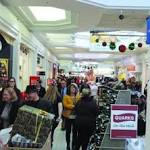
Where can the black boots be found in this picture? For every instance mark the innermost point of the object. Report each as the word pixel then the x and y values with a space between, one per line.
pixel 68 147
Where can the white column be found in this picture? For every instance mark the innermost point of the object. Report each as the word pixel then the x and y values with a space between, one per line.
pixel 33 61
pixel 16 52
pixel 45 69
pixel 147 137
pixel 143 75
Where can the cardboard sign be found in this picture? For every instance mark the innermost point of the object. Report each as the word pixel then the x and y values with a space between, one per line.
pixel 123 121
pixel 34 79
pixel 50 81
pixel 131 68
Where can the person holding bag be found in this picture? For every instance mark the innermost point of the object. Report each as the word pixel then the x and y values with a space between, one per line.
pixel 69 103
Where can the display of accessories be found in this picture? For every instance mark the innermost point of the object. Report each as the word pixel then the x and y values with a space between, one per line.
pixel 106 97
pixel 34 125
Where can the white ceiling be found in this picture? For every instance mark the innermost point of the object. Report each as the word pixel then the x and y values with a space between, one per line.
pixel 81 17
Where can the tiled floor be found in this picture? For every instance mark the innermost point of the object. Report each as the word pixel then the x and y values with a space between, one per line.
pixel 59 140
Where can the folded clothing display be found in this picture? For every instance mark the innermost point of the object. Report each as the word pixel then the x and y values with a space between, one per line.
pixel 33 124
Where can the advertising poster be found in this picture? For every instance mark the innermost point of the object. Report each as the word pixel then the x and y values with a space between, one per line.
pixel 3 72
pixel 3 67
pixel 123 121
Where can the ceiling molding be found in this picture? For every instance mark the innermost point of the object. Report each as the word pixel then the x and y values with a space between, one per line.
pixel 26 17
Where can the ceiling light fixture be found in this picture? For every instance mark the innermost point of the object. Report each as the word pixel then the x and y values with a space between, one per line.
pixel 91 56
pixel 47 13
pixel 61 48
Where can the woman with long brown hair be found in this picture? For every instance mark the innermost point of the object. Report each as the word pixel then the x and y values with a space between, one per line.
pixel 8 107
pixel 54 97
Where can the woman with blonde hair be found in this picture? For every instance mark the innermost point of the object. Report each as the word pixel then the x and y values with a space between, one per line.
pixel 54 97
pixel 9 106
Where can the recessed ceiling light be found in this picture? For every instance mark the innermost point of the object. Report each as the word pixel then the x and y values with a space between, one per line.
pixel 65 55
pixel 91 56
pixel 47 13
pixel 61 48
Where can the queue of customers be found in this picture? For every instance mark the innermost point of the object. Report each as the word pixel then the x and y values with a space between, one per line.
pixel 73 107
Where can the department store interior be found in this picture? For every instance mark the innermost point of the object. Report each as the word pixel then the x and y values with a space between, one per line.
pixel 102 45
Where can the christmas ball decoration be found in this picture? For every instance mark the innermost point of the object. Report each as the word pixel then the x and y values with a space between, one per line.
pixel 93 38
pixel 112 45
pixel 131 46
pixel 104 44
pixel 140 45
pixel 122 48
pixel 97 40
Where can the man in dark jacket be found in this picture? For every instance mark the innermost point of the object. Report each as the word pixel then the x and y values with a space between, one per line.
pixel 41 90
pixel 34 100
pixel 86 111
pixel 63 91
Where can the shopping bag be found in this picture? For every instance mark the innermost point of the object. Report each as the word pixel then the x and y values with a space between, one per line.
pixel 4 136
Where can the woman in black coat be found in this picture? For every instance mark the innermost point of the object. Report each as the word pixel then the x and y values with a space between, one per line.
pixel 8 108
pixel 86 112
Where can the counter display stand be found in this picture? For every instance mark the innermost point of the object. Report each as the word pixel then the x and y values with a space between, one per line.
pixel 100 140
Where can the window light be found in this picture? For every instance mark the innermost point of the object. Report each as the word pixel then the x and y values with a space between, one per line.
pixel 125 3
pixel 47 13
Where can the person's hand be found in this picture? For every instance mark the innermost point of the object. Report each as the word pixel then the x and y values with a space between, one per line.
pixel 11 126
pixel 58 119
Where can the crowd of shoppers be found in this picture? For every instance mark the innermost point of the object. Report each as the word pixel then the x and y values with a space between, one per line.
pixel 70 102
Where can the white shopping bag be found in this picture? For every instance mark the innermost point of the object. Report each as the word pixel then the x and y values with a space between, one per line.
pixel 135 144
pixel 4 136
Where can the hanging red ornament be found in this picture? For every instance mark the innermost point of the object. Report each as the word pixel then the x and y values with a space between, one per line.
pixel 122 48
pixel 140 45
pixel 104 44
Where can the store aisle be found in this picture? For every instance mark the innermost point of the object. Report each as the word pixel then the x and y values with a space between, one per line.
pixel 59 140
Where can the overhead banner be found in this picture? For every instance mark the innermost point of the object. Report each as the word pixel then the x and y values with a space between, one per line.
pixel 148 31
pixel 123 121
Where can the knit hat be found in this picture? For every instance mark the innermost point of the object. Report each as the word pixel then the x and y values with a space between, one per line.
pixel 86 92
pixel 75 85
